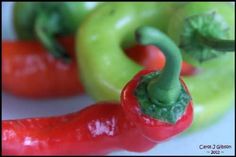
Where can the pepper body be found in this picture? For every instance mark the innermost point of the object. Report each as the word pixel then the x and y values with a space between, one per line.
pixel 97 130
pixel 153 129
pixel 29 71
pixel 214 98
pixel 105 69
pixel 212 19
pixel 158 102
pixel 105 127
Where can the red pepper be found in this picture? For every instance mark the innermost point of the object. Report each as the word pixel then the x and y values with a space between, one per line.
pixel 97 129
pixel 152 128
pixel 151 57
pixel 29 71
pixel 158 102
pixel 155 108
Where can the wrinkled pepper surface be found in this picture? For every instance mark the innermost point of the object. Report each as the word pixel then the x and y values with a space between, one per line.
pixel 105 69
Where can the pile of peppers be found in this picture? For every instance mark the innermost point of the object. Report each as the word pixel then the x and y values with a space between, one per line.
pixel 143 106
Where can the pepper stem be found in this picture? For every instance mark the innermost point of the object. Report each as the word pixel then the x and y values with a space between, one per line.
pixel 215 43
pixel 166 88
pixel 46 27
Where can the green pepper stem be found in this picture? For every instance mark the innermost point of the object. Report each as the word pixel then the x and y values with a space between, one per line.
pixel 45 29
pixel 216 44
pixel 166 88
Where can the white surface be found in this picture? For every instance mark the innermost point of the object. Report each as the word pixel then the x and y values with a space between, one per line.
pixel 222 133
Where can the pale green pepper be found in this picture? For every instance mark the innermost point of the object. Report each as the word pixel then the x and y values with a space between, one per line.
pixel 105 69
pixel 203 32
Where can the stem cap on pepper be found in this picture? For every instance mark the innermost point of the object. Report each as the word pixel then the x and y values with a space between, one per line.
pixel 160 94
pixel 150 127
pixel 158 102
pixel 203 30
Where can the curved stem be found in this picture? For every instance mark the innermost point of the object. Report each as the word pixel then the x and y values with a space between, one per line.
pixel 166 88
pixel 46 28
pixel 216 44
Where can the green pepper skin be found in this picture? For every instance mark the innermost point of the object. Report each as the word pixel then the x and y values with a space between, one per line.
pixel 45 21
pixel 105 69
pixel 226 19
pixel 25 13
pixel 213 88
pixel 104 66
pixel 226 10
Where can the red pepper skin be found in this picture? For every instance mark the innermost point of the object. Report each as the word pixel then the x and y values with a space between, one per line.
pixel 152 128
pixel 152 58
pixel 96 130
pixel 148 56
pixel 29 71
pixel 188 69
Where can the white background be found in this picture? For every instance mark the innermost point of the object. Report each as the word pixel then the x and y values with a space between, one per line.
pixel 221 133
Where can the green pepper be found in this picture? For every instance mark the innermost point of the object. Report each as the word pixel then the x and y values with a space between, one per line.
pixel 213 88
pixel 105 69
pixel 203 30
pixel 46 20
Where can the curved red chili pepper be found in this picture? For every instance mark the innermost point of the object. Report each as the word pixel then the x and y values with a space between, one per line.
pixel 104 127
pixel 97 129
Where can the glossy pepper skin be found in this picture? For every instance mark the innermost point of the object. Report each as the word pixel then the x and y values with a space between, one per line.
pixel 29 71
pixel 96 130
pixel 158 103
pixel 46 20
pixel 152 128
pixel 105 127
pixel 102 60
